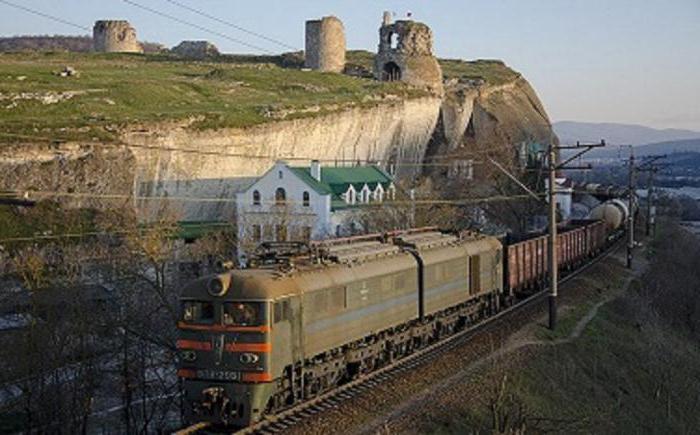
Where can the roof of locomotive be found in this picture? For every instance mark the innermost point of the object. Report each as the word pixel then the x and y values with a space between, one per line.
pixel 349 263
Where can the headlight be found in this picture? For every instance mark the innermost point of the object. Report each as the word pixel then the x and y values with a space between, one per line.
pixel 248 358
pixel 218 286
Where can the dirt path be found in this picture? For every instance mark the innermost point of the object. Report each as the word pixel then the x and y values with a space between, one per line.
pixel 515 343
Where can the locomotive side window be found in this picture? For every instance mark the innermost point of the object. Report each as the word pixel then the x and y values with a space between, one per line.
pixel 281 311
pixel 198 312
pixel 242 314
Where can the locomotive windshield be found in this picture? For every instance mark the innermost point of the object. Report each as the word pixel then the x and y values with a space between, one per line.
pixel 243 313
pixel 198 312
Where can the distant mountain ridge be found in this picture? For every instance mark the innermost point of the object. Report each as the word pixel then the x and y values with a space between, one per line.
pixel 668 147
pixel 618 134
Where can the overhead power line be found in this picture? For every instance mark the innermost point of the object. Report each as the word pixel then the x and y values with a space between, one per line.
pixel 44 15
pixel 230 24
pixel 258 156
pixel 88 195
pixel 196 26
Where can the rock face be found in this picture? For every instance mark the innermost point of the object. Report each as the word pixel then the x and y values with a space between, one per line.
pixel 506 121
pixel 396 132
pixel 196 49
pixel 115 36
pixel 197 172
pixel 325 45
pixel 406 54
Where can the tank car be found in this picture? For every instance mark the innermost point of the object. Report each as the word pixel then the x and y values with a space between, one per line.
pixel 256 340
pixel 613 213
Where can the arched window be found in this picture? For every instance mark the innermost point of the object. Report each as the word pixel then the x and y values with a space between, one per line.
pixel 306 199
pixel 256 197
pixel 280 196
pixel 391 72
pixel 394 41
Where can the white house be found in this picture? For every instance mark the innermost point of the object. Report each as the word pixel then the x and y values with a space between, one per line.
pixel 302 203
pixel 563 194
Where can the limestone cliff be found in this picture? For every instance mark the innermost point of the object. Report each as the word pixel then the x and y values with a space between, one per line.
pixel 199 170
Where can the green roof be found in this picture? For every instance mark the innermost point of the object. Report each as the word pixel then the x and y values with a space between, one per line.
pixel 336 180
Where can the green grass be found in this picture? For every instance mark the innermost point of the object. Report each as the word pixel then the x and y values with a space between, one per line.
pixel 493 72
pixel 116 89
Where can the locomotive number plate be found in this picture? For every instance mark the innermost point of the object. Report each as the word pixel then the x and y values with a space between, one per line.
pixel 219 375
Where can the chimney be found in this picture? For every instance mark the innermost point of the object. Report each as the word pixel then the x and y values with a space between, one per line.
pixel 315 170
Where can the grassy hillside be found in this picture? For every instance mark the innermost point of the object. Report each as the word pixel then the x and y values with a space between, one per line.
pixel 634 369
pixel 231 91
pixel 116 89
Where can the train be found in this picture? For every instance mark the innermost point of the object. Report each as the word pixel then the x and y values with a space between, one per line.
pixel 306 318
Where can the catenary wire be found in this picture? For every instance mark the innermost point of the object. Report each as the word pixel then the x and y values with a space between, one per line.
pixel 230 24
pixel 196 26
pixel 44 15
pixel 266 157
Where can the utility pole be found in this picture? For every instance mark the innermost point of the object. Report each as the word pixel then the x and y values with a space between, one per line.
pixel 630 206
pixel 552 167
pixel 552 239
pixel 648 166
pixel 650 189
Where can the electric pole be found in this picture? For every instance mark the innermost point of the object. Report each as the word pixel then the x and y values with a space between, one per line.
pixel 552 167
pixel 648 166
pixel 552 239
pixel 552 246
pixel 630 206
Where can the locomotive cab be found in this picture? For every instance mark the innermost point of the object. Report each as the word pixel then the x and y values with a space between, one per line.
pixel 224 352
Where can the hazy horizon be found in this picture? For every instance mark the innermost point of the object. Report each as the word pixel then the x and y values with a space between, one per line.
pixel 589 61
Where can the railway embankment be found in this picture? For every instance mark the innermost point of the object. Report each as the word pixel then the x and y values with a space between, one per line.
pixel 624 359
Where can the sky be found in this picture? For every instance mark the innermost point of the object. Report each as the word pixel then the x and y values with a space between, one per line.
pixel 627 61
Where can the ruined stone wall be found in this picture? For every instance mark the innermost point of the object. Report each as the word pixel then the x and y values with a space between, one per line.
pixel 406 53
pixel 325 45
pixel 115 36
pixel 196 49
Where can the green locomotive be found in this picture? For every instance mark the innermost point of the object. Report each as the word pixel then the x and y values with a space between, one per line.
pixel 257 340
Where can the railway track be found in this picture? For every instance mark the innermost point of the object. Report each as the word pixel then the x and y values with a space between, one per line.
pixel 288 418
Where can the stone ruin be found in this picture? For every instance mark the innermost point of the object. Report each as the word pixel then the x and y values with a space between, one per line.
pixel 325 45
pixel 115 36
pixel 406 54
pixel 196 49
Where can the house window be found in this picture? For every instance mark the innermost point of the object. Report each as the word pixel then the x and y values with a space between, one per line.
pixel 280 175
pixel 280 196
pixel 306 199
pixel 256 197
pixel 306 233
pixel 281 233
pixel 256 231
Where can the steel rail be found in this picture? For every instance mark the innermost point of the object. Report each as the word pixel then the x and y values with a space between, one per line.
pixel 287 418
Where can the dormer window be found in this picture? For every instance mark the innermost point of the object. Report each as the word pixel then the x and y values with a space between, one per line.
pixel 379 193
pixel 349 195
pixel 365 194
pixel 392 192
pixel 306 199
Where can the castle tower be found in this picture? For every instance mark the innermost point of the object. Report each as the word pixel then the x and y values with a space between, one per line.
pixel 325 45
pixel 115 36
pixel 406 54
